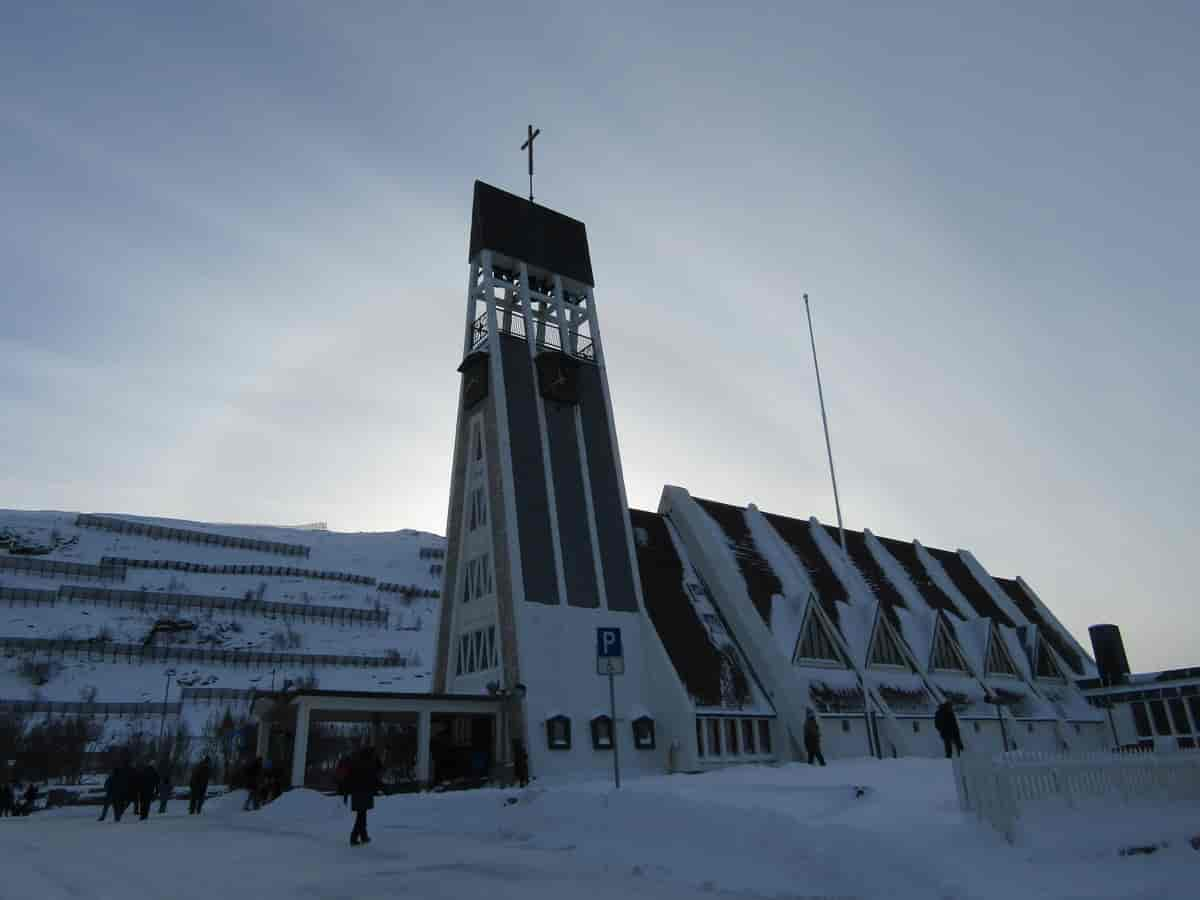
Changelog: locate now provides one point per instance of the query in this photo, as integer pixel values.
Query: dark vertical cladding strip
(571, 504)
(606, 493)
(529, 481)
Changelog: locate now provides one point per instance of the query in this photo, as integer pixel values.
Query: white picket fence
(1000, 789)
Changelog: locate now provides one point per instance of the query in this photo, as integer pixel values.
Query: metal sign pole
(612, 706)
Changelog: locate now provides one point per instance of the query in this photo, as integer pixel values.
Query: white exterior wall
(843, 737)
(557, 649)
(669, 703)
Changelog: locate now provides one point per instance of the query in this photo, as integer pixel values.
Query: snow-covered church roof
(905, 581)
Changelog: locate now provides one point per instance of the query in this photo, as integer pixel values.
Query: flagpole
(825, 422)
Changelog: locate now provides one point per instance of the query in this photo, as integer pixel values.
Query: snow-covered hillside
(100, 608)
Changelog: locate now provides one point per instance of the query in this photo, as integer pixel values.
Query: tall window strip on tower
(477, 516)
(815, 643)
(478, 582)
(885, 651)
(998, 660)
(477, 651)
(945, 654)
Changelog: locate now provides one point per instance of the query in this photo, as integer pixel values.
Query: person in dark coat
(147, 785)
(341, 775)
(6, 800)
(108, 796)
(946, 724)
(520, 762)
(123, 792)
(30, 799)
(252, 773)
(812, 739)
(164, 787)
(199, 786)
(363, 782)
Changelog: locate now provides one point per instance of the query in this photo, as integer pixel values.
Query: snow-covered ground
(791, 831)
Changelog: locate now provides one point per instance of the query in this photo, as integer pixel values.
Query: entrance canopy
(292, 715)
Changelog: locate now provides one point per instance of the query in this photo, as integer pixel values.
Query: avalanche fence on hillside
(1002, 789)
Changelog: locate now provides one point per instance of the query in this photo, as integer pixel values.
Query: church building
(734, 622)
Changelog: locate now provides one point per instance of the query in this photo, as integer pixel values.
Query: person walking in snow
(108, 797)
(123, 789)
(946, 724)
(520, 762)
(6, 800)
(147, 786)
(199, 786)
(812, 739)
(252, 773)
(30, 800)
(363, 781)
(341, 776)
(164, 786)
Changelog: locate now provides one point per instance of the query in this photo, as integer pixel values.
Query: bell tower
(540, 549)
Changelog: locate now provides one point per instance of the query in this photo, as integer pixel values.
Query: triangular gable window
(885, 648)
(946, 654)
(816, 644)
(1047, 665)
(998, 660)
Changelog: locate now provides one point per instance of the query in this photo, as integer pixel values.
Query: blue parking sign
(608, 643)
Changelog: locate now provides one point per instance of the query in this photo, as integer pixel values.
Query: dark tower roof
(516, 227)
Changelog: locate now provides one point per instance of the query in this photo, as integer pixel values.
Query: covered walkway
(421, 738)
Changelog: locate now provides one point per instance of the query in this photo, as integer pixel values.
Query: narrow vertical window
(1141, 719)
(1158, 711)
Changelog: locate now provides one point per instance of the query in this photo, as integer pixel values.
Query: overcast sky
(234, 236)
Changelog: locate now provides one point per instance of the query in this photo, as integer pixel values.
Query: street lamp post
(162, 727)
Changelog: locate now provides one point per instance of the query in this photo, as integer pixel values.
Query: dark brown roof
(968, 585)
(905, 553)
(798, 535)
(698, 662)
(761, 581)
(1029, 609)
(872, 573)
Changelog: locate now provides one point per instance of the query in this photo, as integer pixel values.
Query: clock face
(557, 377)
(475, 380)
